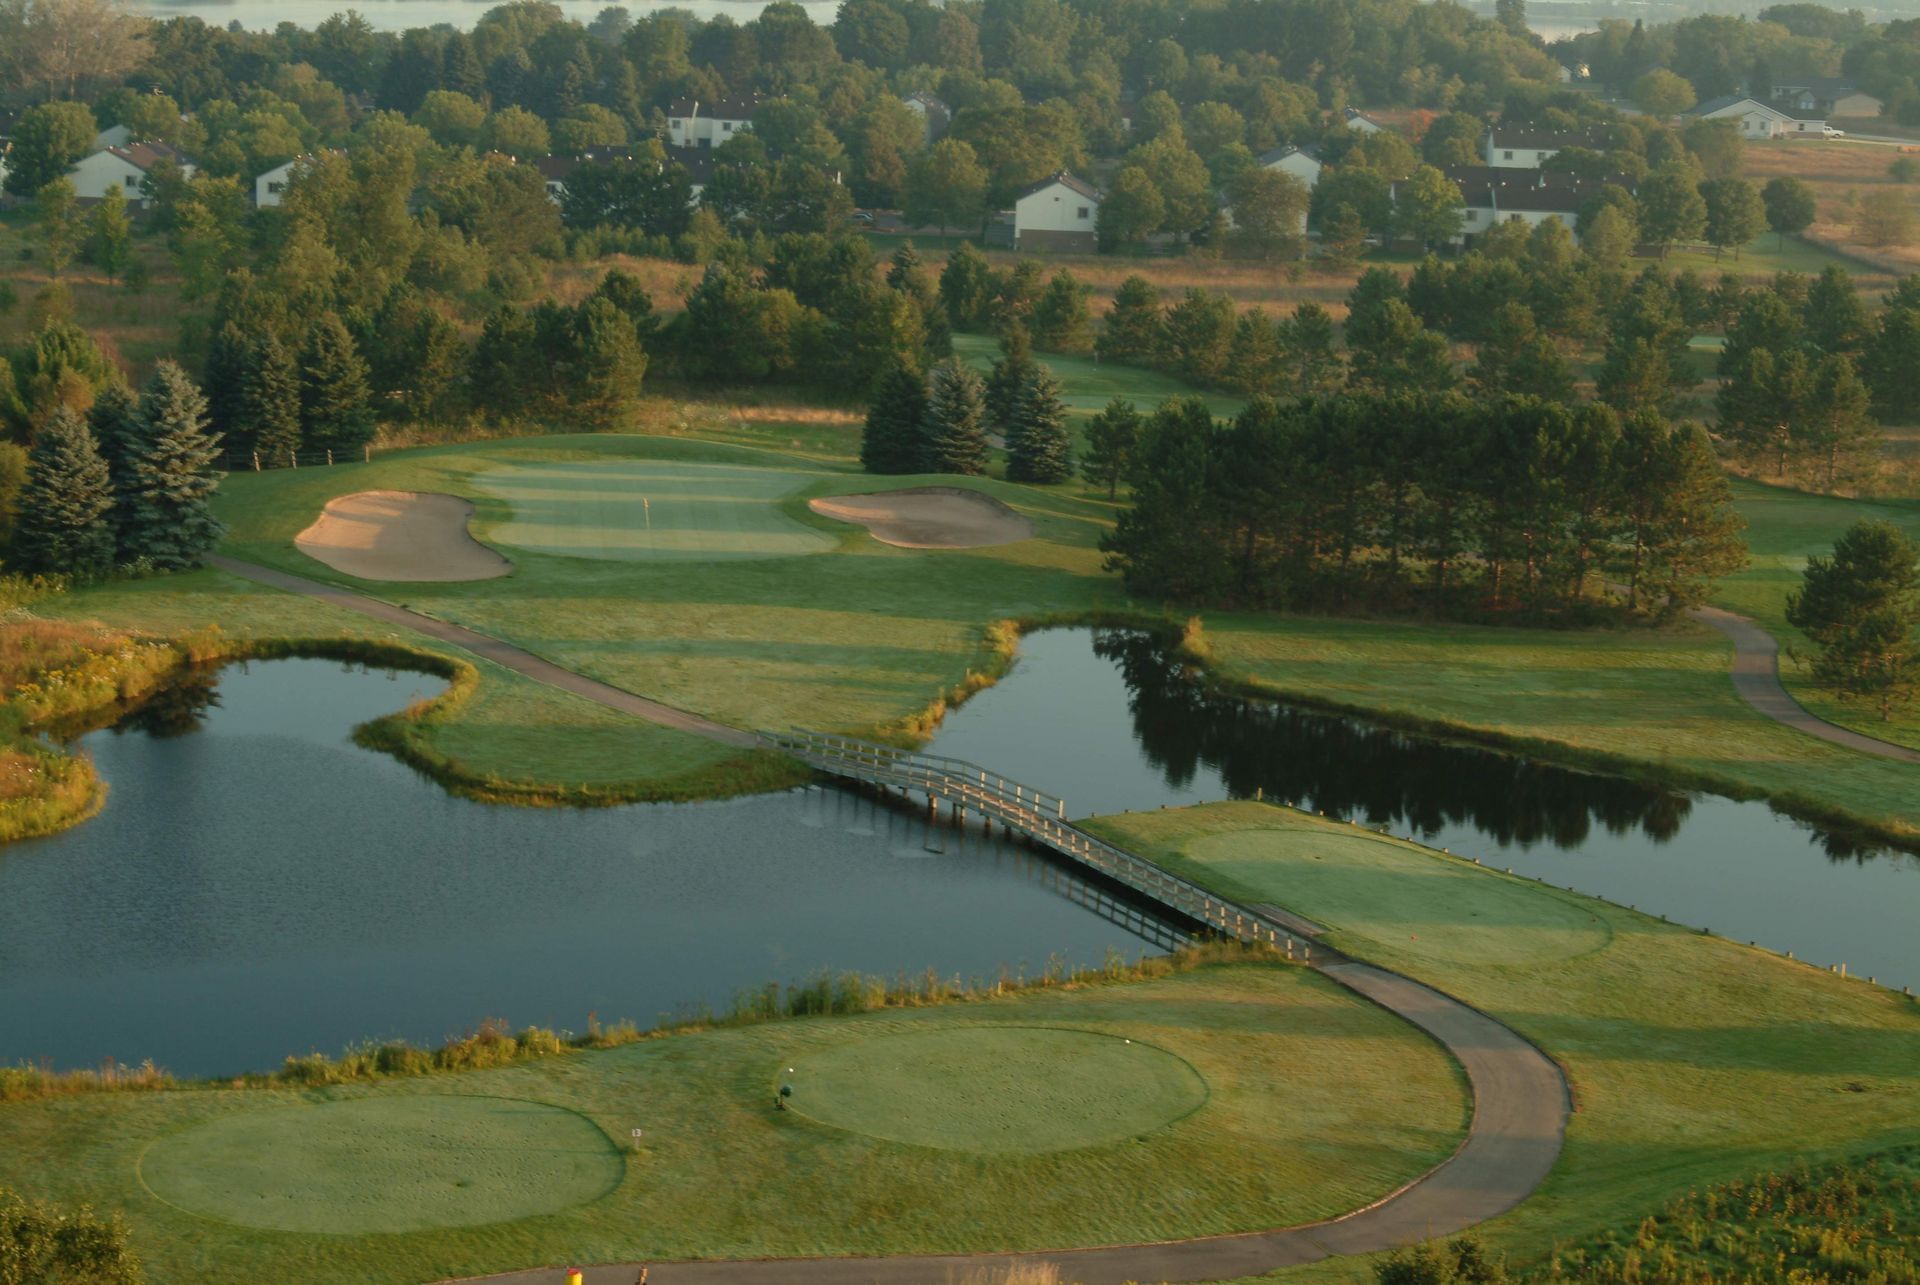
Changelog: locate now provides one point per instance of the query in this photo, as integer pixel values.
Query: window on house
(1084, 213)
(673, 124)
(726, 127)
(131, 181)
(1473, 216)
(1506, 156)
(276, 188)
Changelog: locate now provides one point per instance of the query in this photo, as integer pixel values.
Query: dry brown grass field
(1839, 172)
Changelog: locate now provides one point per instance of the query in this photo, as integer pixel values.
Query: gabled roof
(144, 156)
(1525, 135)
(1822, 86)
(1066, 180)
(718, 109)
(1537, 191)
(1725, 101)
(1354, 113)
(1279, 154)
(932, 102)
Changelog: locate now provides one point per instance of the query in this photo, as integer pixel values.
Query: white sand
(400, 535)
(929, 517)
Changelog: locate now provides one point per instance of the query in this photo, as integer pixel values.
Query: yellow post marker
(575, 1276)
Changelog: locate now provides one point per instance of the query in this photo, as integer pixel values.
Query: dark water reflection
(1112, 721)
(258, 886)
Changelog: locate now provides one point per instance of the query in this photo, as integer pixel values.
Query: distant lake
(398, 15)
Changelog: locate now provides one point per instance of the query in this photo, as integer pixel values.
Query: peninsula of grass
(856, 636)
(1222, 1098)
(1693, 1060)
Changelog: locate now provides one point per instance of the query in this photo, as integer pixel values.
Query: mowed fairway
(645, 509)
(1253, 1095)
(1693, 1060)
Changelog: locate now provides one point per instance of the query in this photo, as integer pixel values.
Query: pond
(1111, 720)
(259, 886)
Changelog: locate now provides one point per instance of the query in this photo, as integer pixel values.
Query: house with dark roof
(693, 123)
(1301, 162)
(1825, 96)
(1494, 194)
(1059, 212)
(1761, 120)
(1521, 146)
(1355, 119)
(125, 168)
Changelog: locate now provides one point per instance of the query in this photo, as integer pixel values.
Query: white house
(1359, 120)
(1825, 96)
(1492, 195)
(125, 168)
(1761, 120)
(1525, 147)
(692, 123)
(933, 112)
(1297, 161)
(1057, 213)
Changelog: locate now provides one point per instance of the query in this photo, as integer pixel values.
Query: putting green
(1394, 895)
(385, 1164)
(996, 1088)
(642, 509)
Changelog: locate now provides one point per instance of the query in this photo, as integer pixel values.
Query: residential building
(1358, 120)
(692, 123)
(1825, 96)
(1496, 194)
(933, 112)
(1760, 120)
(1301, 162)
(1526, 147)
(125, 168)
(1057, 213)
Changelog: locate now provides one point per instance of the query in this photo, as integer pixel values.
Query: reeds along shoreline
(495, 1044)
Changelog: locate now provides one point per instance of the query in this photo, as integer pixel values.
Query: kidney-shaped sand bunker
(394, 1163)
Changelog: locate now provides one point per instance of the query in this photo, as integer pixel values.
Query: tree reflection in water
(178, 708)
(1351, 769)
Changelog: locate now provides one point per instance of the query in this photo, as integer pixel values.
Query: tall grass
(495, 1044)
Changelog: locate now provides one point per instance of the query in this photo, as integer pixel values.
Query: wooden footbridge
(967, 787)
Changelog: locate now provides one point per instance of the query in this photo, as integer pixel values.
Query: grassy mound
(385, 1164)
(627, 509)
(997, 1088)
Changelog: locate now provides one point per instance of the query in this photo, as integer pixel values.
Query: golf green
(385, 1164)
(629, 509)
(1381, 890)
(996, 1089)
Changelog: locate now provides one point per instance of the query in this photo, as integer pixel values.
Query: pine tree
(891, 442)
(1313, 363)
(955, 428)
(1134, 331)
(1008, 382)
(336, 407)
(64, 526)
(966, 287)
(1255, 361)
(1860, 607)
(114, 420)
(1112, 437)
(270, 405)
(1039, 447)
(608, 364)
(169, 521)
(1061, 322)
(1837, 432)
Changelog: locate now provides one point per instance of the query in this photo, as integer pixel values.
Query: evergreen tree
(1394, 352)
(64, 526)
(496, 369)
(1008, 381)
(114, 420)
(966, 287)
(1061, 321)
(1860, 608)
(1255, 360)
(1167, 545)
(1134, 332)
(1313, 363)
(270, 404)
(1893, 362)
(1516, 358)
(1837, 434)
(110, 236)
(1112, 436)
(336, 406)
(955, 428)
(1199, 334)
(891, 441)
(169, 521)
(1836, 319)
(1039, 447)
(1683, 530)
(608, 364)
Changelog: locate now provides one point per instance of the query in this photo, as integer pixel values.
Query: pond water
(259, 886)
(1110, 720)
(398, 15)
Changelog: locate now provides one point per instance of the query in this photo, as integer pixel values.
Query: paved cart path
(500, 653)
(1520, 1111)
(1756, 676)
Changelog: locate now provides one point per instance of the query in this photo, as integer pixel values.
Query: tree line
(1499, 506)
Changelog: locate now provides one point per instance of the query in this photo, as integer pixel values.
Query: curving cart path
(1520, 1099)
(1756, 677)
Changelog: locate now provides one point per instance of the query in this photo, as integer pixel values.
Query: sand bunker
(400, 535)
(929, 517)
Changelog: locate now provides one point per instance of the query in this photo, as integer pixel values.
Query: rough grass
(1317, 1102)
(1834, 170)
(1693, 1060)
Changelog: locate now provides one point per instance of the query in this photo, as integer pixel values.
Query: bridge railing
(1039, 815)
